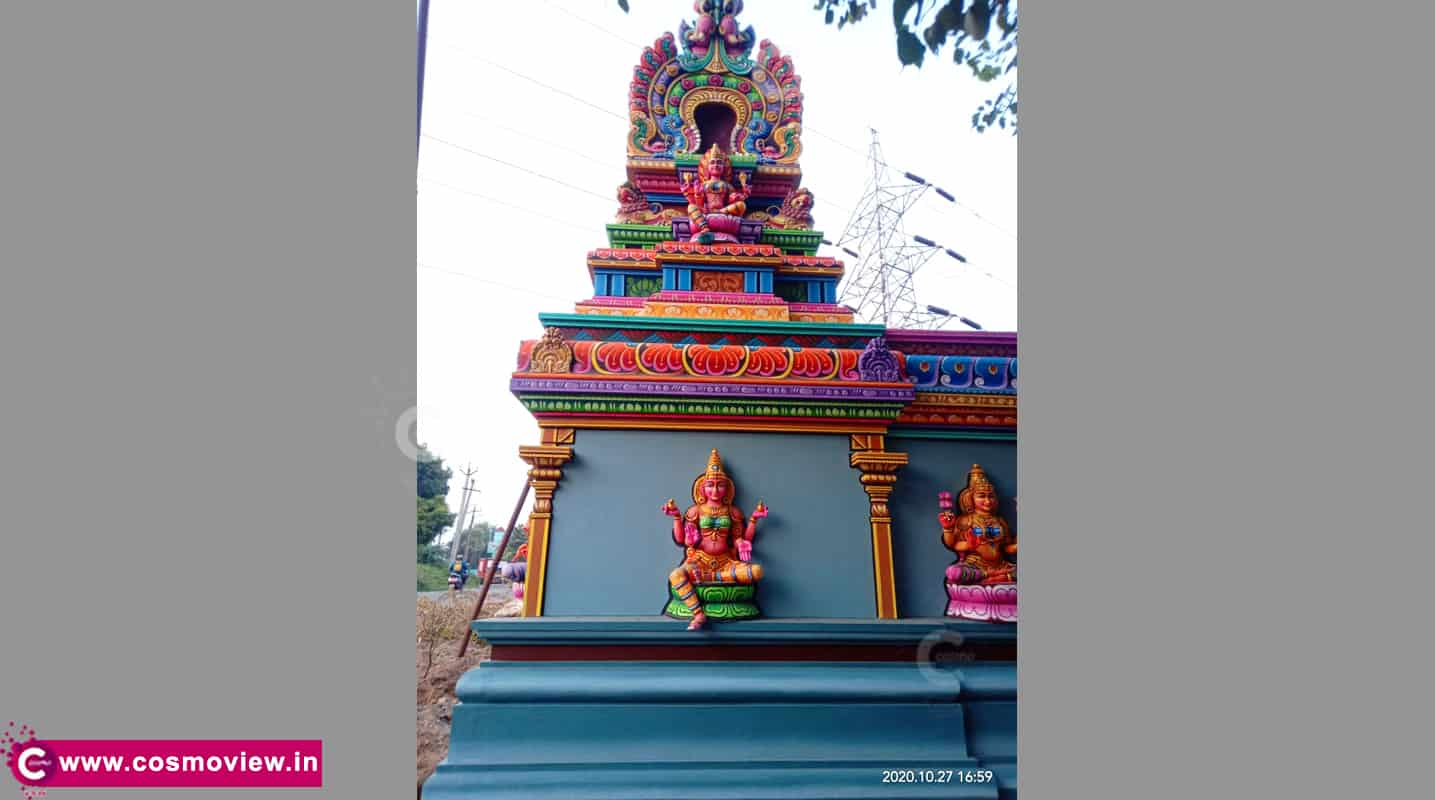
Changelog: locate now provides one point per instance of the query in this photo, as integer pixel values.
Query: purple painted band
(871, 394)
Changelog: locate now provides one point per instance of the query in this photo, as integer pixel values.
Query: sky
(498, 242)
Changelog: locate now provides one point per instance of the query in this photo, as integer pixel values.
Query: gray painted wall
(919, 557)
(611, 548)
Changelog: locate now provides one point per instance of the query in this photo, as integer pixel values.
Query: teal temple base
(638, 708)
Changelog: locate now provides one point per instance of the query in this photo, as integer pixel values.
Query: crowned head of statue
(980, 495)
(713, 486)
(714, 164)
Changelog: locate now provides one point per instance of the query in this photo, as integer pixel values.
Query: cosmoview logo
(31, 761)
(35, 763)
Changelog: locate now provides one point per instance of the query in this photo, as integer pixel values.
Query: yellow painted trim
(885, 579)
(538, 529)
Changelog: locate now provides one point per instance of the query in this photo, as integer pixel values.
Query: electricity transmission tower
(880, 282)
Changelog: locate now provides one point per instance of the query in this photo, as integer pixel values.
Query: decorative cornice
(736, 298)
(683, 406)
(731, 361)
(941, 343)
(763, 251)
(525, 384)
(978, 401)
(961, 373)
(903, 432)
(953, 410)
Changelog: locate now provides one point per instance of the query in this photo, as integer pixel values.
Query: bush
(439, 622)
(432, 578)
(433, 554)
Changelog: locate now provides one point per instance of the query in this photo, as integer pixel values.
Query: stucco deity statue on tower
(717, 550)
(981, 584)
(715, 205)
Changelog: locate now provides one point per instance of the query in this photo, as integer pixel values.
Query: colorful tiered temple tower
(872, 668)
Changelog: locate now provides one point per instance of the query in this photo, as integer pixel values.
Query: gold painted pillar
(545, 463)
(879, 475)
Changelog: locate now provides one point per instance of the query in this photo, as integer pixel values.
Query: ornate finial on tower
(551, 354)
(716, 23)
(877, 363)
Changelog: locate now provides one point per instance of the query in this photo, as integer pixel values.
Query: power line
(514, 206)
(533, 138)
(533, 80)
(833, 139)
(511, 287)
(942, 192)
(924, 241)
(595, 25)
(948, 196)
(516, 166)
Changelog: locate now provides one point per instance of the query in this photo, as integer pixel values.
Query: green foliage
(433, 475)
(432, 578)
(480, 538)
(432, 554)
(433, 517)
(983, 33)
(987, 49)
(433, 513)
(520, 536)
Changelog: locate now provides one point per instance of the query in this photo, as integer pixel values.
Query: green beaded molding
(737, 160)
(793, 242)
(723, 601)
(638, 236)
(726, 408)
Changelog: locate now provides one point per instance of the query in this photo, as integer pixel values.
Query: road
(499, 594)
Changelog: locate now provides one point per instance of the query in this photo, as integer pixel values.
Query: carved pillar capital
(545, 469)
(878, 470)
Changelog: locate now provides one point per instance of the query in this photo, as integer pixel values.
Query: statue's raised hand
(690, 535)
(742, 191)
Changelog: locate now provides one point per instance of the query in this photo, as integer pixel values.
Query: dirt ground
(439, 622)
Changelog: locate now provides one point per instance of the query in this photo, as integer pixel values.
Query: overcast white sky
(486, 269)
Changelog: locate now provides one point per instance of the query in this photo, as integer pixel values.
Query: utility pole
(423, 36)
(468, 540)
(468, 473)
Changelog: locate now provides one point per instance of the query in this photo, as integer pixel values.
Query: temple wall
(611, 548)
(935, 465)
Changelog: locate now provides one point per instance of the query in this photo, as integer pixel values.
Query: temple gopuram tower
(753, 568)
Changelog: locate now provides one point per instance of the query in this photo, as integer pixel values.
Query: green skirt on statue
(721, 601)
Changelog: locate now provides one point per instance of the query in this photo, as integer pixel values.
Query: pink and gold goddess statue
(981, 584)
(715, 205)
(717, 544)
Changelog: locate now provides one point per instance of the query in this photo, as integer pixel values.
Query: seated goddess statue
(715, 205)
(717, 550)
(981, 583)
